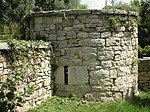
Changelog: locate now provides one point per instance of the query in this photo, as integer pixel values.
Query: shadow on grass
(142, 100)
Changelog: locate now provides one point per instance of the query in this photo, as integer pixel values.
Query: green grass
(140, 103)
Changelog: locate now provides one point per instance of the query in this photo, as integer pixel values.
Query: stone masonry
(144, 74)
(94, 59)
(41, 80)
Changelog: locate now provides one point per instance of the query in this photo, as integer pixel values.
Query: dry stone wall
(144, 74)
(94, 50)
(40, 59)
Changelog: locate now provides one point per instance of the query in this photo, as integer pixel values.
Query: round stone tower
(95, 52)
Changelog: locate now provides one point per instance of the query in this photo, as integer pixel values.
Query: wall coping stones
(144, 58)
(4, 46)
(144, 64)
(80, 12)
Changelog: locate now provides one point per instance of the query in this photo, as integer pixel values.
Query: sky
(99, 4)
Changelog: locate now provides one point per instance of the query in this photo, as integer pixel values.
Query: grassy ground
(140, 103)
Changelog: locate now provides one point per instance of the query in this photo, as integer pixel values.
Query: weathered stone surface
(92, 42)
(41, 79)
(105, 55)
(82, 35)
(59, 79)
(79, 26)
(38, 20)
(99, 74)
(94, 35)
(57, 20)
(105, 34)
(78, 75)
(92, 53)
(4, 46)
(144, 74)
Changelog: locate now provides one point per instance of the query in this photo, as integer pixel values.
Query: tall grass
(140, 103)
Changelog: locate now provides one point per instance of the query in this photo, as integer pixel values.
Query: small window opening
(66, 75)
(114, 81)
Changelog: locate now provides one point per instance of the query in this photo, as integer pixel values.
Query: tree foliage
(56, 4)
(144, 26)
(143, 8)
(12, 12)
(133, 6)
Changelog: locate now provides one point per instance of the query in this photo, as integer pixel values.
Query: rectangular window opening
(66, 75)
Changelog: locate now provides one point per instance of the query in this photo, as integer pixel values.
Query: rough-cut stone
(92, 42)
(105, 34)
(4, 46)
(89, 53)
(41, 79)
(144, 74)
(82, 35)
(38, 20)
(77, 75)
(57, 20)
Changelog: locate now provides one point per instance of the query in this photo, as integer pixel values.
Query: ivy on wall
(116, 23)
(21, 57)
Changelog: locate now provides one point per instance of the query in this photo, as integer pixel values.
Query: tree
(133, 6)
(56, 4)
(144, 26)
(12, 12)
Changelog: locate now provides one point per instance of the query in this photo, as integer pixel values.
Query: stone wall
(94, 50)
(144, 74)
(40, 60)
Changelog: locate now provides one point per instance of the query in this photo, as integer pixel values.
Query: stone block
(82, 17)
(113, 73)
(79, 26)
(118, 95)
(61, 38)
(82, 35)
(106, 64)
(91, 62)
(77, 62)
(47, 82)
(105, 34)
(89, 97)
(4, 46)
(78, 75)
(125, 70)
(1, 65)
(61, 33)
(105, 55)
(52, 37)
(68, 28)
(88, 52)
(71, 34)
(47, 20)
(57, 20)
(63, 44)
(97, 88)
(90, 25)
(102, 29)
(92, 42)
(71, 52)
(94, 35)
(76, 21)
(66, 60)
(99, 74)
(59, 75)
(113, 41)
(38, 20)
(96, 21)
(93, 16)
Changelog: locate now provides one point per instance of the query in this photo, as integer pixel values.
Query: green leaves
(11, 94)
(144, 51)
